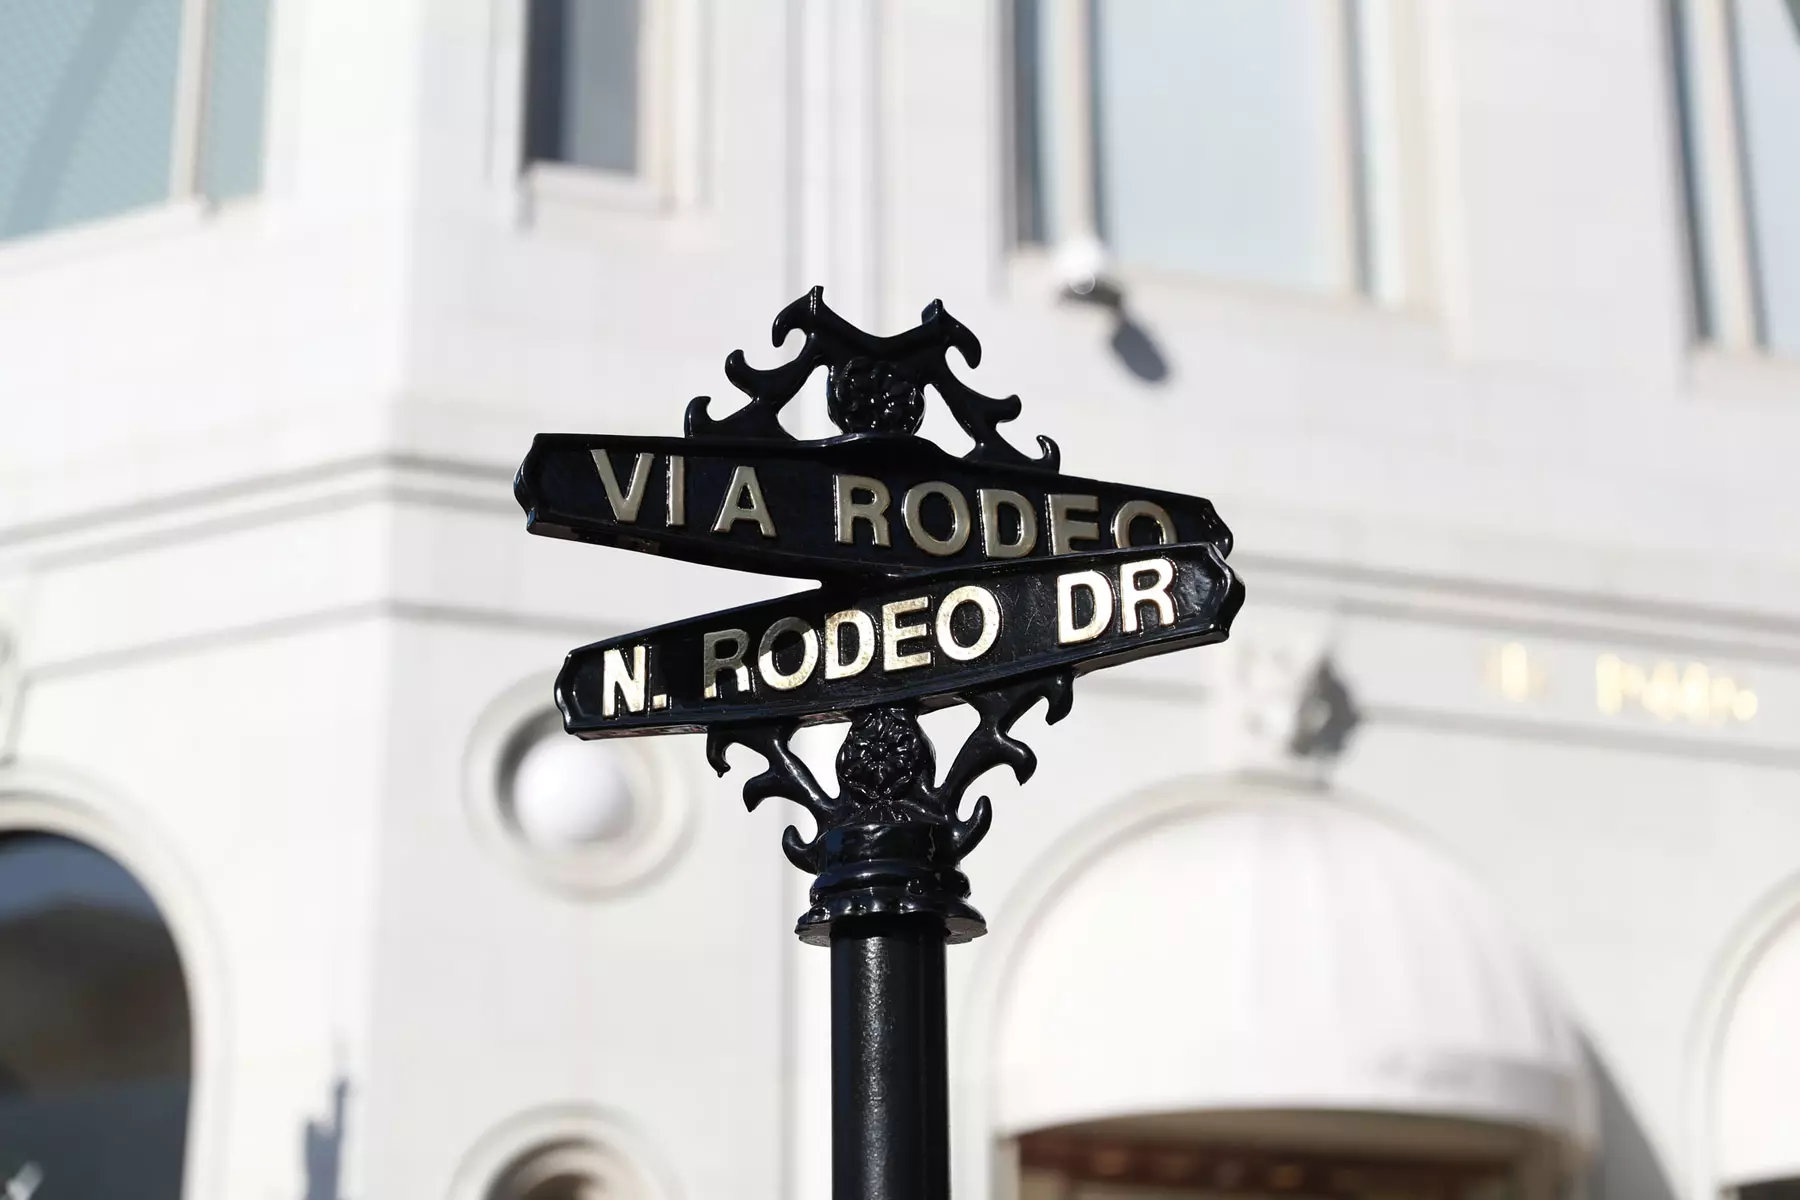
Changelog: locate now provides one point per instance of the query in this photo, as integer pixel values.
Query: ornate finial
(865, 395)
(885, 761)
(875, 384)
(892, 838)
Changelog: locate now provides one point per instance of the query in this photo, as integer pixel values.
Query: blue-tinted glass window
(237, 64)
(87, 106)
(581, 92)
(90, 97)
(1767, 46)
(1213, 138)
(1217, 130)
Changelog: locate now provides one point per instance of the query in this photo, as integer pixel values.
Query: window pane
(87, 101)
(1768, 54)
(582, 83)
(1031, 138)
(1214, 132)
(94, 1031)
(237, 59)
(1699, 197)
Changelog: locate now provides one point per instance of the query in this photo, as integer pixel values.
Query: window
(1739, 76)
(95, 1055)
(582, 84)
(111, 105)
(1243, 140)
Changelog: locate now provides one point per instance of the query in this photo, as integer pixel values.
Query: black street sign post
(991, 580)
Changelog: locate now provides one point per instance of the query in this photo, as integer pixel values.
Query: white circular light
(585, 818)
(567, 793)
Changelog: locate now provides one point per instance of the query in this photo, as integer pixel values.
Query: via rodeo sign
(944, 579)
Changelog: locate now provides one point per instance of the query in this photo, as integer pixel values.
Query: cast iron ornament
(873, 384)
(946, 580)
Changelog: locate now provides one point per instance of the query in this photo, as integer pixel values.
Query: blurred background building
(1468, 869)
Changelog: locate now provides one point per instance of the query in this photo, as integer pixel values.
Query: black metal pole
(890, 1127)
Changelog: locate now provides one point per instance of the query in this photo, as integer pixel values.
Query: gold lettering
(1130, 511)
(893, 633)
(835, 666)
(984, 602)
(1162, 571)
(1064, 528)
(627, 500)
(927, 541)
(675, 500)
(744, 502)
(809, 654)
(1094, 583)
(847, 510)
(619, 683)
(992, 500)
(712, 662)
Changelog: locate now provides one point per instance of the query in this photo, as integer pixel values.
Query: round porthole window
(583, 816)
(571, 1170)
(561, 1152)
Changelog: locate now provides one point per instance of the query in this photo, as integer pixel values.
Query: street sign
(990, 579)
(942, 575)
(929, 638)
(868, 503)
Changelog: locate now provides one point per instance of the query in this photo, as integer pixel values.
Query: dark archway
(96, 1057)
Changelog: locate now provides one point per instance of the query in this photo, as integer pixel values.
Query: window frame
(1725, 300)
(1380, 258)
(1722, 263)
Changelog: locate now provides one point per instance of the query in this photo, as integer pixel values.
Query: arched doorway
(1757, 1098)
(1280, 996)
(95, 1030)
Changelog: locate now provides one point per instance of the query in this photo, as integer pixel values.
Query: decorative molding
(601, 1140)
(1291, 710)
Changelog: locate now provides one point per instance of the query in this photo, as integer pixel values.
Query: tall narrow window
(231, 144)
(1233, 139)
(111, 105)
(582, 84)
(1739, 76)
(95, 1053)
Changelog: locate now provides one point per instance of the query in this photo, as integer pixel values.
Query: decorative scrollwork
(873, 384)
(891, 839)
(886, 765)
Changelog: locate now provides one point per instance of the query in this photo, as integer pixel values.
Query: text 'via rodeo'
(862, 511)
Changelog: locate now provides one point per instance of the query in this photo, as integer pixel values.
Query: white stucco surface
(265, 576)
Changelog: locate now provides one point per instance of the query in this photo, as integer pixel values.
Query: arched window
(95, 1039)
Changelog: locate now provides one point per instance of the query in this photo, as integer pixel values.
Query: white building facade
(1469, 867)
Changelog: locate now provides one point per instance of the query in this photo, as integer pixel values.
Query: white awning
(1282, 954)
(1758, 1114)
